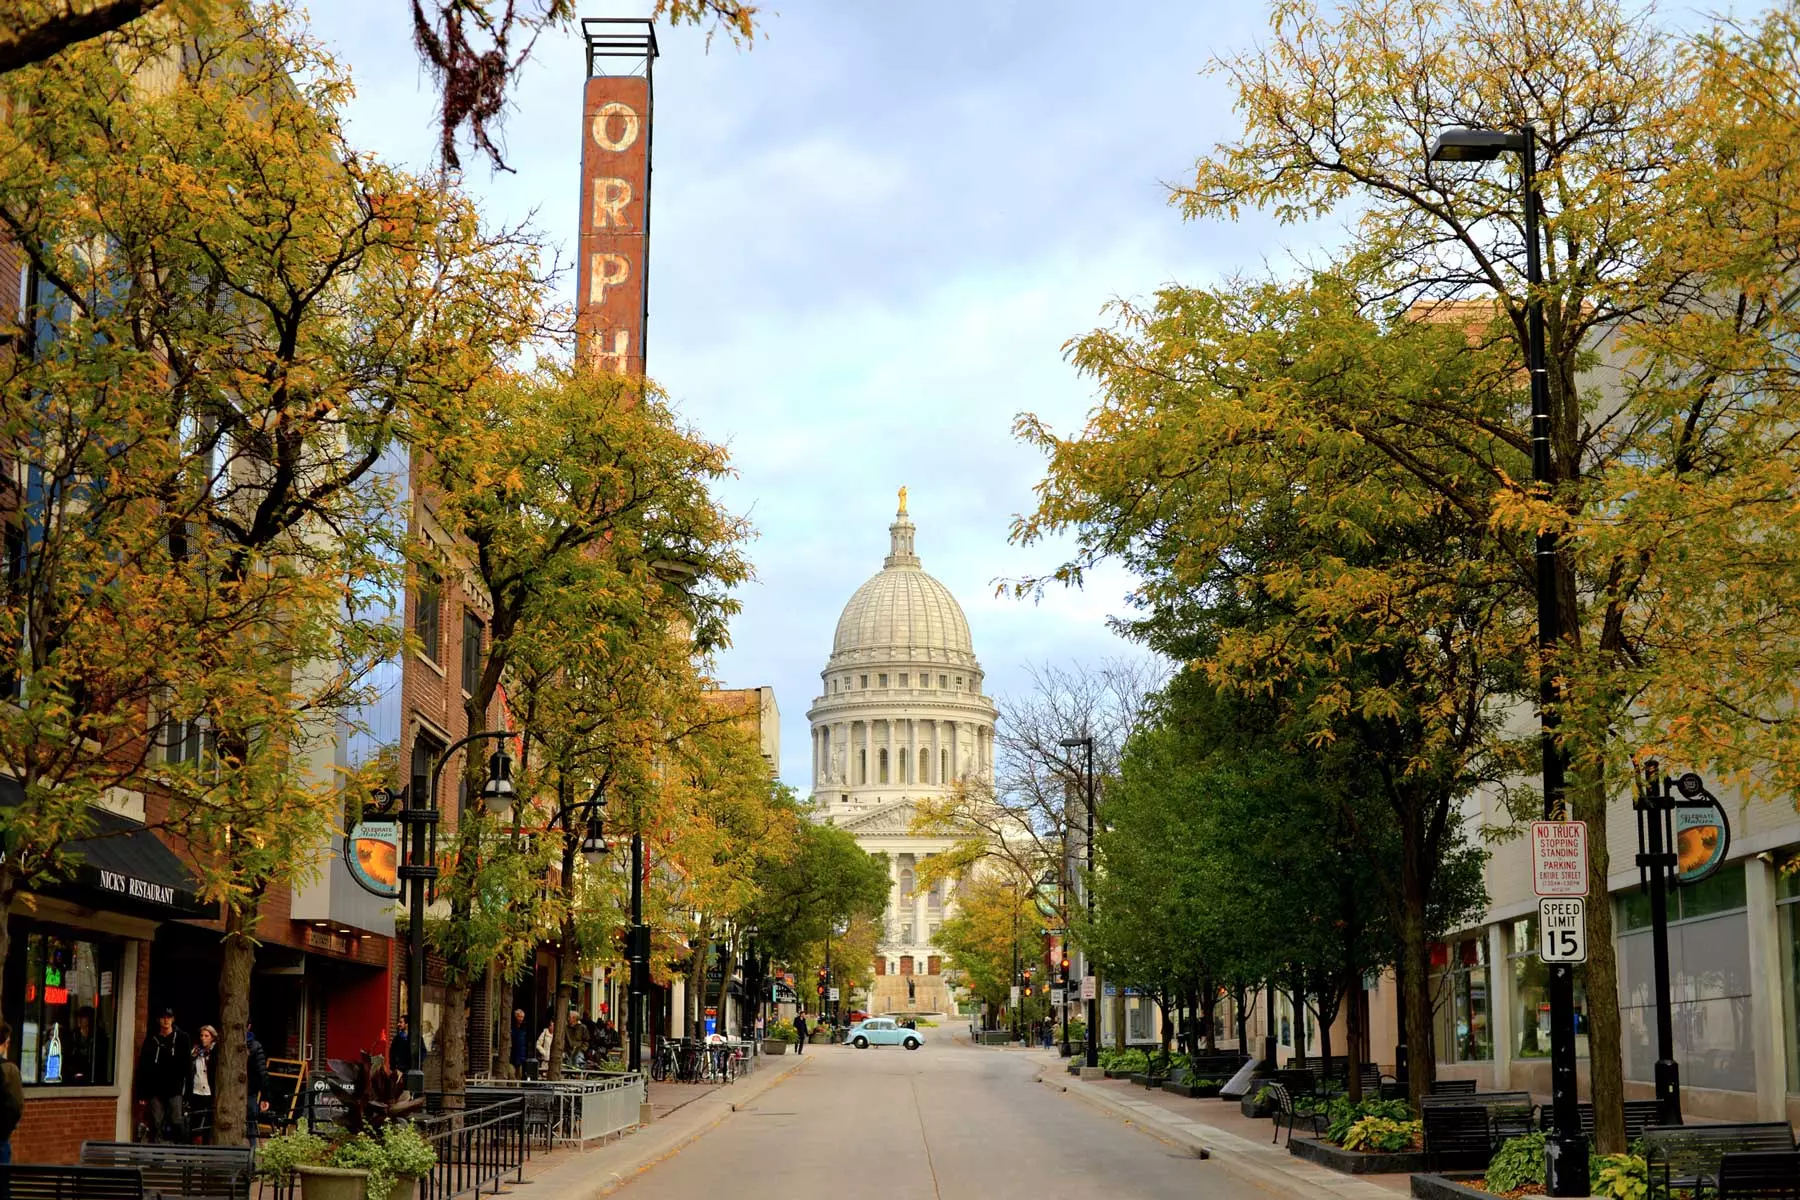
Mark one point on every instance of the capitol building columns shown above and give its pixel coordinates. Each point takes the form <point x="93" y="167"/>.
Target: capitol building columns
<point x="901" y="717"/>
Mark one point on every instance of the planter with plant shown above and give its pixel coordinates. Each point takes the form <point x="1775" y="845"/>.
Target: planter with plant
<point x="375" y="1155"/>
<point x="778" y="1037"/>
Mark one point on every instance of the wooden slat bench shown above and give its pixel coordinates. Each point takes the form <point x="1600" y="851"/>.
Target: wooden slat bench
<point x="1639" y="1116"/>
<point x="32" y="1181"/>
<point x="1758" y="1175"/>
<point x="190" y="1172"/>
<point x="1465" y="1128"/>
<point x="1689" y="1156"/>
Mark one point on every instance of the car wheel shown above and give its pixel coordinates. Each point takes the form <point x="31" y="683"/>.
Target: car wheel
<point x="861" y="1043"/>
<point x="912" y="1043"/>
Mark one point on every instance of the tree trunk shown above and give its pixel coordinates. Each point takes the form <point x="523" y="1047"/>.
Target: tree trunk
<point x="453" y="1036"/>
<point x="9" y="888"/>
<point x="230" y="1065"/>
<point x="1421" y="1063"/>
<point x="1327" y="1014"/>
<point x="1118" y="1008"/>
<point x="696" y="989"/>
<point x="1605" y="1052"/>
<point x="1353" y="1028"/>
<point x="727" y="964"/>
<point x="1240" y="996"/>
<point x="565" y="994"/>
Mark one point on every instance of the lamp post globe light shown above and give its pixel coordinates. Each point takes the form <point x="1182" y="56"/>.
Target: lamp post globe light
<point x="418" y="821"/>
<point x="1566" y="1151"/>
<point x="1091" y="1038"/>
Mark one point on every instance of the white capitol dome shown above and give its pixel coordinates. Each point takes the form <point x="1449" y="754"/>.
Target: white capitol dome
<point x="902" y="613"/>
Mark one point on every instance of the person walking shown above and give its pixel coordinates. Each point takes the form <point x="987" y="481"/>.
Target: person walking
<point x="520" y="1052"/>
<point x="400" y="1057"/>
<point x="162" y="1071"/>
<point x="199" y="1098"/>
<point x="540" y="1064"/>
<point x="800" y="1029"/>
<point x="575" y="1041"/>
<point x="12" y="1093"/>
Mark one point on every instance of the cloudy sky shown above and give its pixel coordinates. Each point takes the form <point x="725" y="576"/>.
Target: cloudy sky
<point x="874" y="231"/>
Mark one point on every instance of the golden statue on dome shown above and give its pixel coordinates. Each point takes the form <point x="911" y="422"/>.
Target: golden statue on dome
<point x="903" y="500"/>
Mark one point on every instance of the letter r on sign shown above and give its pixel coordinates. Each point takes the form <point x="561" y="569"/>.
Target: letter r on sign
<point x="610" y="198"/>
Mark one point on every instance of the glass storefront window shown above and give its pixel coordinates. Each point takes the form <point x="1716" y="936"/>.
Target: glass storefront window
<point x="1787" y="905"/>
<point x="1460" y="996"/>
<point x="1709" y="982"/>
<point x="1531" y="993"/>
<point x="63" y="1005"/>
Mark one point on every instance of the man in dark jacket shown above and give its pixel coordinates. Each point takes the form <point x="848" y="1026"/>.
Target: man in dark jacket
<point x="800" y="1028"/>
<point x="12" y="1094"/>
<point x="521" y="1044"/>
<point x="400" y="1049"/>
<point x="162" y="1069"/>
<point x="256" y="1081"/>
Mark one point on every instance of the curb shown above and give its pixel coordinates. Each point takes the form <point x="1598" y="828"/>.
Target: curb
<point x="1251" y="1162"/>
<point x="644" y="1147"/>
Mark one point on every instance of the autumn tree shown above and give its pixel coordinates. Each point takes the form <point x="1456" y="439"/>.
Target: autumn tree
<point x="581" y="506"/>
<point x="1668" y="241"/>
<point x="264" y="338"/>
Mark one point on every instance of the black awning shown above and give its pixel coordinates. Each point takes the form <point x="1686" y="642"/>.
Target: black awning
<point x="121" y="867"/>
<point x="130" y="867"/>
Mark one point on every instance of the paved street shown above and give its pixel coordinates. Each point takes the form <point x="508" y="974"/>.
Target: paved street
<point x="948" y="1122"/>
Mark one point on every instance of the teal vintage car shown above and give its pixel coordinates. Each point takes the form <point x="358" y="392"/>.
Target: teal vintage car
<point x="883" y="1031"/>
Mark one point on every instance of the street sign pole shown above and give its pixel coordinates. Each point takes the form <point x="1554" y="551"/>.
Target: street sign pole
<point x="1559" y="870"/>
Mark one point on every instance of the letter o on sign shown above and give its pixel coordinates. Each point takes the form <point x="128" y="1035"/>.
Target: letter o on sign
<point x="628" y="127"/>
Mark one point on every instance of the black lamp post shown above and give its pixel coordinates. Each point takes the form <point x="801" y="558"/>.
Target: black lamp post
<point x="584" y="829"/>
<point x="418" y="868"/>
<point x="1566" y="1151"/>
<point x="1092" y="1040"/>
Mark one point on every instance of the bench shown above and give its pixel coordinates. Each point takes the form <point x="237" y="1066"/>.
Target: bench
<point x="1450" y="1087"/>
<point x="1689" y="1156"/>
<point x="1285" y="1110"/>
<point x="1639" y="1116"/>
<point x="1466" y="1126"/>
<point x="1300" y="1083"/>
<point x="32" y="1181"/>
<point x="213" y="1172"/>
<point x="1758" y="1175"/>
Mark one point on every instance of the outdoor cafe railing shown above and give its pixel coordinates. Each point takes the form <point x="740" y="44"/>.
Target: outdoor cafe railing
<point x="595" y="1105"/>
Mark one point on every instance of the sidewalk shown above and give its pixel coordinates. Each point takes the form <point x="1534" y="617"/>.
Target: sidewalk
<point x="1218" y="1130"/>
<point x="684" y="1113"/>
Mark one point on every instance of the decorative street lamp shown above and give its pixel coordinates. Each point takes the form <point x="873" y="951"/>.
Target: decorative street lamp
<point x="1092" y="1037"/>
<point x="412" y="833"/>
<point x="1566" y="1151"/>
<point x="1680" y="840"/>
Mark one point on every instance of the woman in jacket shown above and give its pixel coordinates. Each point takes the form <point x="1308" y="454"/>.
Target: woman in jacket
<point x="200" y="1083"/>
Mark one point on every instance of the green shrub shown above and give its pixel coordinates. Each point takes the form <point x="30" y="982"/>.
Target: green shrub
<point x="401" y="1152"/>
<point x="1341" y="1115"/>
<point x="1619" y="1176"/>
<point x="276" y="1157"/>
<point x="1518" y="1163"/>
<point x="1384" y="1134"/>
<point x="1125" y="1060"/>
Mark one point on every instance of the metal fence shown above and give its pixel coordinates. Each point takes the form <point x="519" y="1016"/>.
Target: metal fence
<point x="477" y="1148"/>
<point x="573" y="1111"/>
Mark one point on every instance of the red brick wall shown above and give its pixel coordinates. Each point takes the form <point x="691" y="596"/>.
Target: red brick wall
<point x="53" y="1129"/>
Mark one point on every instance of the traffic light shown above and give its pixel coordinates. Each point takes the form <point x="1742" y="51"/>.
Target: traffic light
<point x="1065" y="966"/>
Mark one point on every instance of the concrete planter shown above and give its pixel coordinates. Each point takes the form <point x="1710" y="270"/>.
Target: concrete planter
<point x="1194" y="1091"/>
<point x="1148" y="1081"/>
<point x="1250" y="1106"/>
<point x="774" y="1046"/>
<point x="348" y="1183"/>
<point x="1357" y="1162"/>
<point x="1448" y="1187"/>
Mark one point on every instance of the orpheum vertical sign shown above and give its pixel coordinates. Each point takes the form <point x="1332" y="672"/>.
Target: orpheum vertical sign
<point x="611" y="277"/>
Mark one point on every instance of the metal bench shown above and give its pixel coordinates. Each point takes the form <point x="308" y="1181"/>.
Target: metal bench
<point x="1758" y="1175"/>
<point x="1451" y="1087"/>
<point x="1639" y="1116"/>
<point x="1689" y="1156"/>
<point x="1285" y="1110"/>
<point x="1458" y="1135"/>
<point x="32" y="1181"/>
<point x="211" y="1172"/>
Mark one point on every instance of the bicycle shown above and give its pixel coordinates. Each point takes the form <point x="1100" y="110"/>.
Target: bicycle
<point x="665" y="1061"/>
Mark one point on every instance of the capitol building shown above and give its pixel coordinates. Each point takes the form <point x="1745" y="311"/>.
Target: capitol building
<point x="901" y="716"/>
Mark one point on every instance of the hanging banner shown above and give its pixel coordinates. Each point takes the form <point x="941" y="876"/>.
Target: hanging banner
<point x="1702" y="839"/>
<point x="612" y="296"/>
<point x="372" y="852"/>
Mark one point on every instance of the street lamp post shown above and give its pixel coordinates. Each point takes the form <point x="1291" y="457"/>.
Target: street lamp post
<point x="418" y="872"/>
<point x="584" y="829"/>
<point x="1092" y="1038"/>
<point x="1566" y="1151"/>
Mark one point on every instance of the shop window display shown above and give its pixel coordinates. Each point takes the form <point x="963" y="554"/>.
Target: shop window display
<point x="63" y="1001"/>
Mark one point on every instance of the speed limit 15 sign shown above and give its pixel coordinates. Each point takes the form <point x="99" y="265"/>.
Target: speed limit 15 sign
<point x="1562" y="929"/>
